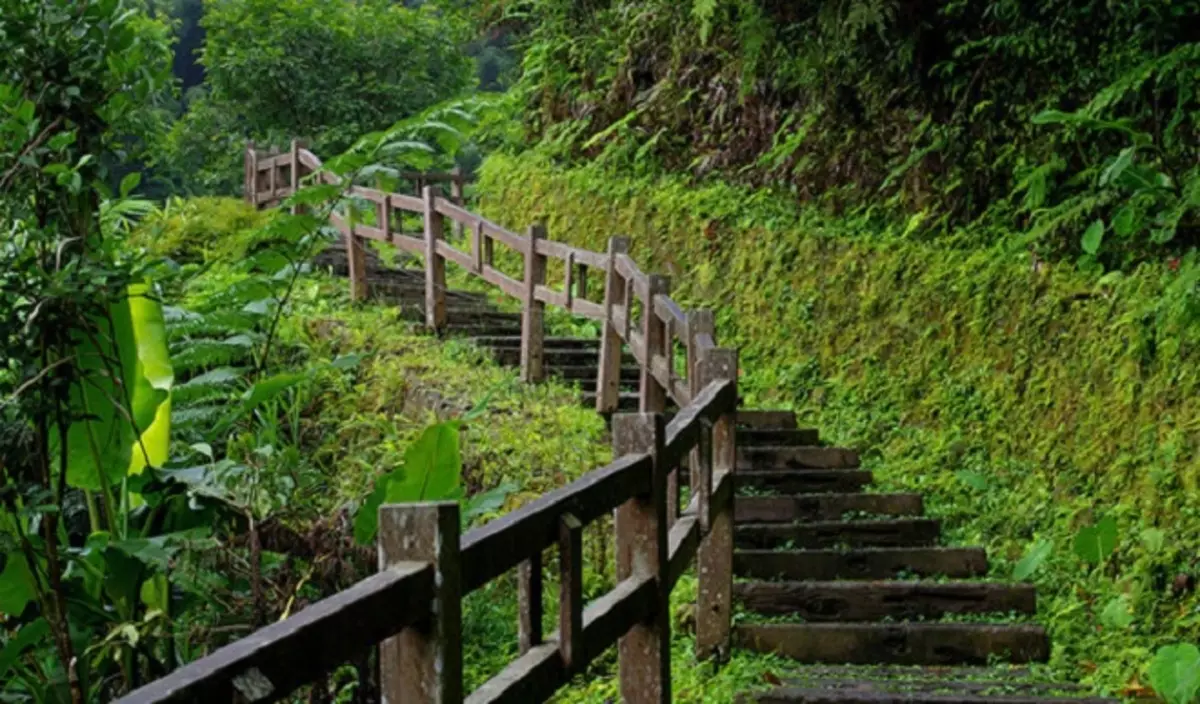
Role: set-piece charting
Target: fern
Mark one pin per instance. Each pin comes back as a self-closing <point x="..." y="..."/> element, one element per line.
<point x="703" y="12"/>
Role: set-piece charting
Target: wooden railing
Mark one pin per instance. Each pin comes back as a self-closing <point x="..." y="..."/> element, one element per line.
<point x="412" y="610"/>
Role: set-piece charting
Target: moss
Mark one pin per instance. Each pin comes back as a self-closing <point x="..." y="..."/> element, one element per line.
<point x="1074" y="397"/>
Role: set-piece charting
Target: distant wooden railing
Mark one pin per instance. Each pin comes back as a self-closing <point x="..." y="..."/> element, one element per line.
<point x="412" y="607"/>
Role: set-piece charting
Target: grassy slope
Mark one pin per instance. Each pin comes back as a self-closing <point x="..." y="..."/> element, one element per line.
<point x="1027" y="401"/>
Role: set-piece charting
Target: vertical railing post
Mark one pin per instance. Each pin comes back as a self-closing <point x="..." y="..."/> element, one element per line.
<point x="294" y="171"/>
<point x="423" y="664"/>
<point x="644" y="653"/>
<point x="533" y="314"/>
<point x="608" y="385"/>
<point x="273" y="175"/>
<point x="251" y="187"/>
<point x="435" y="266"/>
<point x="456" y="196"/>
<point x="714" y="562"/>
<point x="529" y="603"/>
<point x="356" y="259"/>
<point x="652" y="394"/>
<point x="570" y="591"/>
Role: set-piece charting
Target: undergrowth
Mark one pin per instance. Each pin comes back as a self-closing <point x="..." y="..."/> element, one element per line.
<point x="1029" y="401"/>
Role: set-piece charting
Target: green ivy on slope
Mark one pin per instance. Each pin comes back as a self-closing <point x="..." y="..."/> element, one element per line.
<point x="1028" y="401"/>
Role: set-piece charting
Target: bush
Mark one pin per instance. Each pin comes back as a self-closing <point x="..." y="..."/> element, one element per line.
<point x="203" y="230"/>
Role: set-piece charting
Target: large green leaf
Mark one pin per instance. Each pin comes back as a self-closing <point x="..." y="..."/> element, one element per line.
<point x="432" y="467"/>
<point x="127" y="376"/>
<point x="16" y="584"/>
<point x="1175" y="673"/>
<point x="30" y="635"/>
<point x="1034" y="558"/>
<point x="431" y="472"/>
<point x="1094" y="543"/>
<point x="269" y="388"/>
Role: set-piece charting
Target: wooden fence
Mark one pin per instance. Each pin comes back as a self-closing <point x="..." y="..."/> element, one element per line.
<point x="411" y="608"/>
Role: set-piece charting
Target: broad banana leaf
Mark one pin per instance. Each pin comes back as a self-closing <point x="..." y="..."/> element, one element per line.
<point x="122" y="415"/>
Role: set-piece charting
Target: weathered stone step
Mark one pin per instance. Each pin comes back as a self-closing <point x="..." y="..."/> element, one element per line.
<point x="627" y="401"/>
<point x="576" y="372"/>
<point x="819" y="695"/>
<point x="879" y="600"/>
<point x="457" y="317"/>
<point x="514" y="341"/>
<point x="811" y="481"/>
<point x="475" y="329"/>
<point x="760" y="437"/>
<point x="796" y="457"/>
<point x="766" y="419"/>
<point x="903" y="532"/>
<point x="557" y="356"/>
<point x="861" y="563"/>
<point x="948" y="680"/>
<point x="898" y="643"/>
<point x="823" y="507"/>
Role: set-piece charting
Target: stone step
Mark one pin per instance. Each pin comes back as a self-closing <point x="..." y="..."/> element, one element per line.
<point x="898" y="643"/>
<point x="586" y="373"/>
<point x="628" y="400"/>
<point x="812" y="481"/>
<point x="920" y="682"/>
<point x="758" y="437"/>
<point x="766" y="419"/>
<point x="901" y="532"/>
<point x="457" y="317"/>
<point x="880" y="600"/>
<point x="514" y="341"/>
<point x="861" y="563"/>
<point x="475" y="329"/>
<point x="554" y="356"/>
<point x="823" y="507"/>
<point x="796" y="457"/>
<point x="947" y="695"/>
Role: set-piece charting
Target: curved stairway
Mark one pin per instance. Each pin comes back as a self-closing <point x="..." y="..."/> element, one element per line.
<point x="851" y="585"/>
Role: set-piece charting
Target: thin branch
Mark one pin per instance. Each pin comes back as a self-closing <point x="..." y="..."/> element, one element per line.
<point x="38" y="141"/>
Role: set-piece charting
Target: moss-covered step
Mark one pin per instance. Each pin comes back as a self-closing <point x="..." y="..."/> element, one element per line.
<point x="898" y="643"/>
<point x="823" y="507"/>
<point x="809" y="481"/>
<point x="757" y="437"/>
<point x="879" y="600"/>
<point x="896" y="532"/>
<point x="795" y="457"/>
<point x="860" y="563"/>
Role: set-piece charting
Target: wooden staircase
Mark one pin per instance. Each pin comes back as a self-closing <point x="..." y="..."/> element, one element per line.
<point x="853" y="586"/>
<point x="828" y="572"/>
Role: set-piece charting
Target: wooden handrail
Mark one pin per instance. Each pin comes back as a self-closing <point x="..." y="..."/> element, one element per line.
<point x="659" y="540"/>
<point x="273" y="661"/>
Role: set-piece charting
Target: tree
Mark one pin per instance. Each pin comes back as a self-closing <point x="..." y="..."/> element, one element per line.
<point x="325" y="71"/>
<point x="86" y="369"/>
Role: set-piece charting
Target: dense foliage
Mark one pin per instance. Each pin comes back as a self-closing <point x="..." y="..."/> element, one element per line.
<point x="1045" y="116"/>
<point x="1031" y="404"/>
<point x="323" y="71"/>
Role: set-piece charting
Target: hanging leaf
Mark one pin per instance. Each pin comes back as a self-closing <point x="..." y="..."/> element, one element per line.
<point x="1034" y="558"/>
<point x="1094" y="543"/>
<point x="1092" y="237"/>
<point x="16" y="584"/>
